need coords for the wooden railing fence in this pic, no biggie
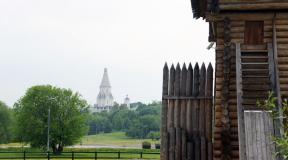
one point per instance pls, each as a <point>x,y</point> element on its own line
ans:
<point>25,155</point>
<point>186,131</point>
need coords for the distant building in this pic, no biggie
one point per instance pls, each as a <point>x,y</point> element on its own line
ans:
<point>104,99</point>
<point>127,102</point>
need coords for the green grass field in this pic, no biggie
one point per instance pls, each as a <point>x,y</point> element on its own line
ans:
<point>114,139</point>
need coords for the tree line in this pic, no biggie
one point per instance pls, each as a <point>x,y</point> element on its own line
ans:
<point>64,116</point>
<point>142,121</point>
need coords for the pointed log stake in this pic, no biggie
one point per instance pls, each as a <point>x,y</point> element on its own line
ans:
<point>177,93</point>
<point>189,136</point>
<point>195,107</point>
<point>195,113</point>
<point>208,110</point>
<point>170,118</point>
<point>189,87</point>
<point>183,93</point>
<point>196,80</point>
<point>202,112</point>
<point>202,101</point>
<point>164,133</point>
<point>171,102</point>
<point>177,112</point>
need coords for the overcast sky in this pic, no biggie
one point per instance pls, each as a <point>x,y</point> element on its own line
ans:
<point>68,43</point>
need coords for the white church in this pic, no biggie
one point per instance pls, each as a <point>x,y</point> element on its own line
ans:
<point>105,100</point>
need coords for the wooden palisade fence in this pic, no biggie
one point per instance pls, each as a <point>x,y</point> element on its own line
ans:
<point>186,131</point>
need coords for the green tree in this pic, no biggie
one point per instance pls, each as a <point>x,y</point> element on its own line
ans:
<point>270,105</point>
<point>5,123</point>
<point>141,127</point>
<point>67,122</point>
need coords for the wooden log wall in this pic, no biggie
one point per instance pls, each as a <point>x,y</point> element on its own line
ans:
<point>236,31</point>
<point>186,130</point>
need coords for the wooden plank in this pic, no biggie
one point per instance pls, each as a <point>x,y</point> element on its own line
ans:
<point>189,88</point>
<point>208,110</point>
<point>197,147</point>
<point>170,117</point>
<point>258,135</point>
<point>172,143</point>
<point>177,110</point>
<point>178,145</point>
<point>279,122</point>
<point>202,102</point>
<point>254,6</point>
<point>184,144</point>
<point>248,139</point>
<point>262,136</point>
<point>177,104</point>
<point>190,150</point>
<point>183,102</point>
<point>241,129</point>
<point>203,148</point>
<point>164,114</point>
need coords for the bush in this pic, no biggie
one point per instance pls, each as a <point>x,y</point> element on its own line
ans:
<point>157,146</point>
<point>146,145</point>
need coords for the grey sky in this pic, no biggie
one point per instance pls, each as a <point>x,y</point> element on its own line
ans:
<point>68,43</point>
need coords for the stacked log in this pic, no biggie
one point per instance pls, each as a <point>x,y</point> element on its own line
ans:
<point>187,113</point>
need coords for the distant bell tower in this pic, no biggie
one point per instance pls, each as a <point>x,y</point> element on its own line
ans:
<point>127,101</point>
<point>104,98</point>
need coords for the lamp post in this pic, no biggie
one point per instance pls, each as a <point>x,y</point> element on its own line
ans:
<point>48,127</point>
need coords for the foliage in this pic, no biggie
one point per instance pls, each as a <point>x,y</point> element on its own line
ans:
<point>270,105</point>
<point>6,122</point>
<point>136,123</point>
<point>154,135</point>
<point>146,145</point>
<point>67,122</point>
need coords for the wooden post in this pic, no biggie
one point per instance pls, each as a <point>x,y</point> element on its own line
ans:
<point>164,133</point>
<point>189,135</point>
<point>240,109</point>
<point>171,135</point>
<point>202,101</point>
<point>184,144</point>
<point>177,94</point>
<point>172,139</point>
<point>177,112</point>
<point>203,148</point>
<point>202,114</point>
<point>178,149</point>
<point>190,150</point>
<point>170,117</point>
<point>279,123</point>
<point>208,110</point>
<point>197,147</point>
<point>183,111</point>
<point>195,108</point>
<point>183,93</point>
<point>195,113</point>
<point>189,89</point>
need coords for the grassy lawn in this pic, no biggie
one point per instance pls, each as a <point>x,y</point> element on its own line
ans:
<point>114,139</point>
